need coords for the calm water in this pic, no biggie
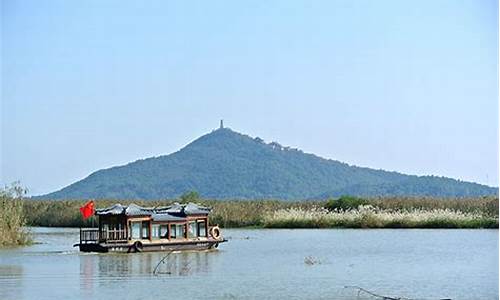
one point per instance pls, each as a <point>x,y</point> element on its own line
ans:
<point>264,264</point>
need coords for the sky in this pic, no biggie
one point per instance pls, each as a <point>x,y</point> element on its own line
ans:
<point>408,86</point>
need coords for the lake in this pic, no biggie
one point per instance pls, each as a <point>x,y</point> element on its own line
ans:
<point>264,264</point>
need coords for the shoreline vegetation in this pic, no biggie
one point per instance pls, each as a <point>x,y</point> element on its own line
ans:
<point>16,213</point>
<point>344,212</point>
<point>12,218</point>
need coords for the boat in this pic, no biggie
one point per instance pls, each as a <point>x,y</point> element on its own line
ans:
<point>134,228</point>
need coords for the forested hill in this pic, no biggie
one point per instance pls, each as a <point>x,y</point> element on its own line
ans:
<point>225,164</point>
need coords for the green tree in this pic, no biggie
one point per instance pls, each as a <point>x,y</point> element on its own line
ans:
<point>191,196</point>
<point>345,203</point>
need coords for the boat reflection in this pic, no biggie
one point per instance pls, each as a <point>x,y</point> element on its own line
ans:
<point>143,264</point>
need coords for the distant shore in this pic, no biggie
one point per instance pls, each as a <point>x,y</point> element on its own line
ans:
<point>393,212</point>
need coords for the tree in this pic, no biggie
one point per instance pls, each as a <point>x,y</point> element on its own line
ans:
<point>345,202</point>
<point>191,196</point>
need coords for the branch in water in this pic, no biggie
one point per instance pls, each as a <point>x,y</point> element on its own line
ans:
<point>360,290</point>
<point>162,260</point>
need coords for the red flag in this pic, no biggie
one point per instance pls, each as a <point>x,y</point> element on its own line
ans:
<point>87,210</point>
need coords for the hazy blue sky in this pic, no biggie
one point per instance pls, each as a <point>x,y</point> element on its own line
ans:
<point>409,86</point>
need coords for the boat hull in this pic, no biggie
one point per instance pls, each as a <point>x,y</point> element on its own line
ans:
<point>149,247</point>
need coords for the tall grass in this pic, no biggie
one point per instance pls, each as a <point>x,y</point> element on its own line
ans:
<point>379,212</point>
<point>487,206</point>
<point>372,217</point>
<point>12,220</point>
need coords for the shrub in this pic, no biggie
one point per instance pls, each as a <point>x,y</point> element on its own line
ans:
<point>191,196</point>
<point>12,221</point>
<point>345,203</point>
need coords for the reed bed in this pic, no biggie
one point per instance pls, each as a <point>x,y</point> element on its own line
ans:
<point>380,212</point>
<point>374,217</point>
<point>487,206</point>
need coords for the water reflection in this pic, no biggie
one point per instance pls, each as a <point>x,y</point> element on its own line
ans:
<point>10,276</point>
<point>139,265</point>
<point>87,273</point>
<point>7,271</point>
<point>183,264</point>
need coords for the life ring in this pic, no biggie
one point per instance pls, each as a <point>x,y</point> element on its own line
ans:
<point>138,246</point>
<point>215,232</point>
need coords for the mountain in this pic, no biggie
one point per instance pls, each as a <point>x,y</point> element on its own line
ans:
<point>225,164</point>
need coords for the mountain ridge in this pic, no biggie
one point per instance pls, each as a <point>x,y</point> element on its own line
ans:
<point>225,164</point>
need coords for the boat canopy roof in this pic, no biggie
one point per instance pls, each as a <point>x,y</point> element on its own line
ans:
<point>172,212</point>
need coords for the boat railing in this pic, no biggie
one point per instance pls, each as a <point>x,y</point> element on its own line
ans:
<point>89,235</point>
<point>113,235</point>
<point>94,235</point>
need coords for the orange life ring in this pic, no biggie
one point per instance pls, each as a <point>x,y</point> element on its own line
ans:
<point>215,232</point>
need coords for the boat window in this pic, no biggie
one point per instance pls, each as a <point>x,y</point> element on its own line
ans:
<point>172,234</point>
<point>177,231</point>
<point>156,231</point>
<point>145,230</point>
<point>136,230</point>
<point>192,229</point>
<point>202,229</point>
<point>164,231</point>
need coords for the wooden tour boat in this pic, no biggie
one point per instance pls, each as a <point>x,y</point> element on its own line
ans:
<point>135,229</point>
